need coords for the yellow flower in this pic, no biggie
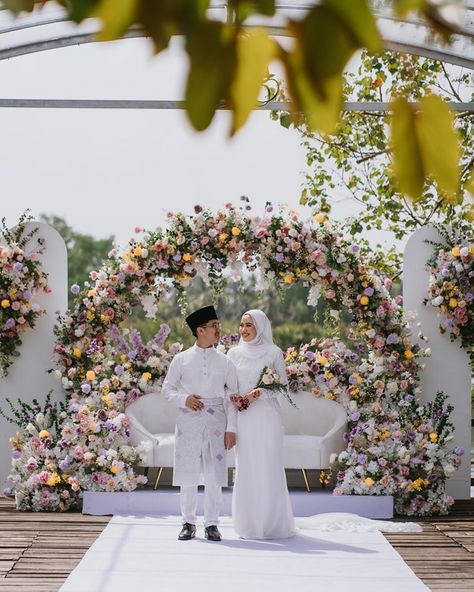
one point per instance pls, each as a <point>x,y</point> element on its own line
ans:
<point>408,354</point>
<point>91,427</point>
<point>369,481</point>
<point>434,437</point>
<point>114,469</point>
<point>223,236</point>
<point>319,217</point>
<point>137,251</point>
<point>236,231</point>
<point>90,375</point>
<point>322,360</point>
<point>187,257</point>
<point>53,479</point>
<point>77,352</point>
<point>456,251</point>
<point>453,302</point>
<point>92,292</point>
<point>5,303</point>
<point>288,279</point>
<point>364,300</point>
<point>107,399</point>
<point>43,434</point>
<point>90,314</point>
<point>331,396</point>
<point>146,376</point>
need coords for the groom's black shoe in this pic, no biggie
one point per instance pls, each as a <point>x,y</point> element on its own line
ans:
<point>212,534</point>
<point>187,532</point>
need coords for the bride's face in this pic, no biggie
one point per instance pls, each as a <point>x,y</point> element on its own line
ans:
<point>247,328</point>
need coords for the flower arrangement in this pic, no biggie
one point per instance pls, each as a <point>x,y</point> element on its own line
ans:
<point>451,288</point>
<point>379,390</point>
<point>21,279</point>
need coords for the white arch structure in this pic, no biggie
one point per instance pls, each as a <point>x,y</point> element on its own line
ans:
<point>48,28</point>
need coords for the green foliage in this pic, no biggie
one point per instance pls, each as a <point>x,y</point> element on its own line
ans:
<point>356,161</point>
<point>85,253</point>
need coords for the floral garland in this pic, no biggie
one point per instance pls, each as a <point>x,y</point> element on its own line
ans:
<point>394,444</point>
<point>381,391</point>
<point>21,278</point>
<point>451,288</point>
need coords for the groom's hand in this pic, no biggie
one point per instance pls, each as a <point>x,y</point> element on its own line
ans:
<point>194,402</point>
<point>229,440</point>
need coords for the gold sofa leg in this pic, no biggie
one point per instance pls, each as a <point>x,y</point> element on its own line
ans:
<point>306,480</point>
<point>157,480</point>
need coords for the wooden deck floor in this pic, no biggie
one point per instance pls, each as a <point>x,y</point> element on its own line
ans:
<point>38,551</point>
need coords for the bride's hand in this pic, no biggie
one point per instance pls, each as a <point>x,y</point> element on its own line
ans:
<point>236,401</point>
<point>253,395</point>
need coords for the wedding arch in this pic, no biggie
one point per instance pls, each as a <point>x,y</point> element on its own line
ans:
<point>395,445</point>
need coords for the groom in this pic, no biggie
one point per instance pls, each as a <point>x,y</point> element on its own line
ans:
<point>198,380</point>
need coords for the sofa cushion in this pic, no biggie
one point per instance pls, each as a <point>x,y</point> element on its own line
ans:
<point>302,452</point>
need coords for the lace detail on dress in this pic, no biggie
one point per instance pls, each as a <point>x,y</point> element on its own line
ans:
<point>335,521</point>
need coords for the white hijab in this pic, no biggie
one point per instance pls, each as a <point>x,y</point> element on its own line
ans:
<point>262,343</point>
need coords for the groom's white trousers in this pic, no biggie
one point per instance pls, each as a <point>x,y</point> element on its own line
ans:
<point>212,494</point>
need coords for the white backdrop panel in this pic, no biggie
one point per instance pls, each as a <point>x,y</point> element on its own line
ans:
<point>28,377</point>
<point>447,369</point>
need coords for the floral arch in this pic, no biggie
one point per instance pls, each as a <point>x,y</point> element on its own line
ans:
<point>395,445</point>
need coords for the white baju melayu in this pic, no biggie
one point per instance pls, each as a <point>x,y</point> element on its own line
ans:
<point>261,506</point>
<point>200,455</point>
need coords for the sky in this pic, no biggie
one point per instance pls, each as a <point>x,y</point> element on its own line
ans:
<point>107,171</point>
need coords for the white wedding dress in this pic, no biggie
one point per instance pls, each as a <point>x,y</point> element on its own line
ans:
<point>261,507</point>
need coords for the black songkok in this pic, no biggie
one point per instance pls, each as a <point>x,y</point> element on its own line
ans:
<point>201,317</point>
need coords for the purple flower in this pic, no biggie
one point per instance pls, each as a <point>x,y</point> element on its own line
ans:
<point>17,267</point>
<point>392,338</point>
<point>16,454</point>
<point>197,209</point>
<point>119,370</point>
<point>75,289</point>
<point>354,248</point>
<point>132,354</point>
<point>279,257</point>
<point>355,416</point>
<point>86,388</point>
<point>293,386</point>
<point>362,459</point>
<point>468,297</point>
<point>369,291</point>
<point>10,323</point>
<point>408,398</point>
<point>459,450</point>
<point>27,294</point>
<point>310,355</point>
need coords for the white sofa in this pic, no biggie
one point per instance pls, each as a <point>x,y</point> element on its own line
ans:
<point>313,431</point>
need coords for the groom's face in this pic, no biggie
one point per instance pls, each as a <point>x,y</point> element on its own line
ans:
<point>211,332</point>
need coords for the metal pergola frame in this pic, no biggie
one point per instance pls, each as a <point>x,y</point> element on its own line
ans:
<point>397,36</point>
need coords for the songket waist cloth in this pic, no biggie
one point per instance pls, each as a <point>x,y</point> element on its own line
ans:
<point>199,445</point>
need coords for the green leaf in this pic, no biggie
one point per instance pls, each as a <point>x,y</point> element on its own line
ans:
<point>360,22</point>
<point>403,7</point>
<point>254,53</point>
<point>17,6</point>
<point>407,157</point>
<point>116,16</point>
<point>211,50</point>
<point>161,19</point>
<point>78,10</point>
<point>439,144</point>
<point>322,113</point>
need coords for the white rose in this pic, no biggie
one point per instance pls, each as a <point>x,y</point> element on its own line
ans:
<point>449,470</point>
<point>437,301</point>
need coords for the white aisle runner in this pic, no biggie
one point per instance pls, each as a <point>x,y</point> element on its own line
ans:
<point>143,554</point>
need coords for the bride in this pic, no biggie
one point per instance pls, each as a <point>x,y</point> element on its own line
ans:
<point>261,507</point>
